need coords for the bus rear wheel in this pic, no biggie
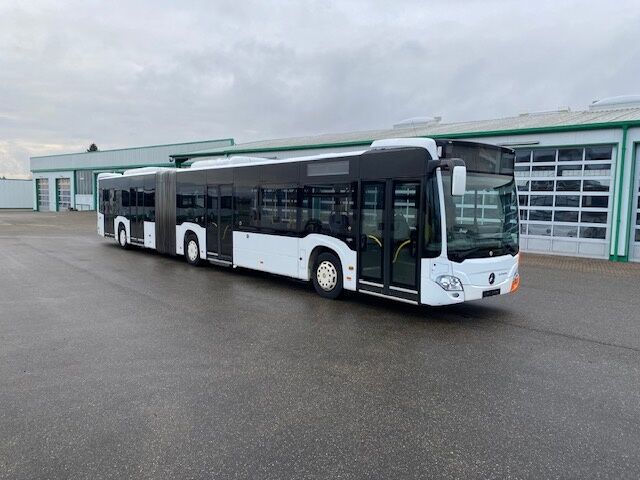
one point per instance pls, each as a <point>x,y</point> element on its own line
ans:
<point>122,237</point>
<point>192,249</point>
<point>327,276</point>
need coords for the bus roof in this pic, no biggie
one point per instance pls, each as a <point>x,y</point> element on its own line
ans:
<point>238,161</point>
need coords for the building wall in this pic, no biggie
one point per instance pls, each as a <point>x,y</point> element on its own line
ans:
<point>83,202</point>
<point>16,193</point>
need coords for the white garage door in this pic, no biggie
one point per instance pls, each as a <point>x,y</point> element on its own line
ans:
<point>63,194</point>
<point>565,199</point>
<point>42,189</point>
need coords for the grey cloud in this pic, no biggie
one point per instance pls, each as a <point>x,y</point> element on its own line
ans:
<point>153,72</point>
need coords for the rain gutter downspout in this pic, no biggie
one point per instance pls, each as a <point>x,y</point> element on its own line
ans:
<point>616,237</point>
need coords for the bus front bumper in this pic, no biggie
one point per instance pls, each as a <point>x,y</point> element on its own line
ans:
<point>473,279</point>
<point>436,295</point>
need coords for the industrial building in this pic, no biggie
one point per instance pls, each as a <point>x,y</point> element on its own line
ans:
<point>65,181</point>
<point>577,174</point>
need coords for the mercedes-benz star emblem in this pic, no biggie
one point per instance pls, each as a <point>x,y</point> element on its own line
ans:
<point>492,278</point>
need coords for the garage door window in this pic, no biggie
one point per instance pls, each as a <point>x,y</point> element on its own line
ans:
<point>42,187</point>
<point>63,193</point>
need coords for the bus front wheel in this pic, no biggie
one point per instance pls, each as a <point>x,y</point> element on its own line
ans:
<point>192,249</point>
<point>327,276</point>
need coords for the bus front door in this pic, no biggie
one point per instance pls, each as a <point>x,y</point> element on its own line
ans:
<point>220,222</point>
<point>389,252</point>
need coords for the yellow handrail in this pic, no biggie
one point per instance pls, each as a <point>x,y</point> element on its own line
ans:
<point>400,247</point>
<point>375,239</point>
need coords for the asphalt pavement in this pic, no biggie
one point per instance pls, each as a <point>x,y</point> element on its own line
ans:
<point>128,364</point>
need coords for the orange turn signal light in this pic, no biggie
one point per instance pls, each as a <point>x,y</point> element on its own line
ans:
<point>515,284</point>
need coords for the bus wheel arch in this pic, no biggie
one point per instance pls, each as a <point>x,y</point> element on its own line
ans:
<point>191,248</point>
<point>326,272</point>
<point>314,256</point>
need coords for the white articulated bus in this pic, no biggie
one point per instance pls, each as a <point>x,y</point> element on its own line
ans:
<point>412,219</point>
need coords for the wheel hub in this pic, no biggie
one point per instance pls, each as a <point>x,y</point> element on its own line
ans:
<point>327,276</point>
<point>192,250</point>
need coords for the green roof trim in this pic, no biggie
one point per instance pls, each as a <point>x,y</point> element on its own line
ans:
<point>100,167</point>
<point>550,129</point>
<point>486,133</point>
<point>231,140</point>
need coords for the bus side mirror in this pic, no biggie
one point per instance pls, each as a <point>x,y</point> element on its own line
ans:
<point>458,180</point>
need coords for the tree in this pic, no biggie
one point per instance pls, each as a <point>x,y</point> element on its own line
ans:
<point>92,148</point>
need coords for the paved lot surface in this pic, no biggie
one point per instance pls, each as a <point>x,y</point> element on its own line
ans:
<point>126,364</point>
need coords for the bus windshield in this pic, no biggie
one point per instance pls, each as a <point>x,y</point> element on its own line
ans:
<point>484,221</point>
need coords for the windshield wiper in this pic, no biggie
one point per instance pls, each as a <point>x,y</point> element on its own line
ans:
<point>510,248</point>
<point>462,256</point>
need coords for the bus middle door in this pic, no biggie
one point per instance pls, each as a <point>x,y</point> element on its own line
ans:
<point>220,222</point>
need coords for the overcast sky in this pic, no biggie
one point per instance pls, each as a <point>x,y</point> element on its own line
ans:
<point>147,72</point>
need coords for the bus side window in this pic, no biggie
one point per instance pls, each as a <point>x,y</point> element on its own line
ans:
<point>190,204</point>
<point>279,208</point>
<point>150,203</point>
<point>328,209</point>
<point>246,207</point>
<point>142,211</point>
<point>117,202</point>
<point>132,199</point>
<point>288,208</point>
<point>125,202</point>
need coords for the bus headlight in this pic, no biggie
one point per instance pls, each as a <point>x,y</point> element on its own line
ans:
<point>449,283</point>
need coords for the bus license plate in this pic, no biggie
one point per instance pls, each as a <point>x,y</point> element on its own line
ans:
<point>491,293</point>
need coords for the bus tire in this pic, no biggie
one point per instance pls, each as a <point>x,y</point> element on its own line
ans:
<point>327,276</point>
<point>122,237</point>
<point>192,249</point>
